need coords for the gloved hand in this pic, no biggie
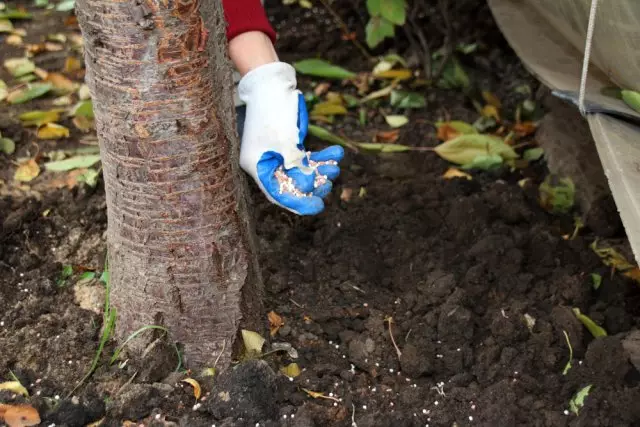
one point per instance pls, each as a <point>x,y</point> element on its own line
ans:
<point>272,149</point>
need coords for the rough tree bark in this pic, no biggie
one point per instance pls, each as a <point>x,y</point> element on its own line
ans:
<point>179,239</point>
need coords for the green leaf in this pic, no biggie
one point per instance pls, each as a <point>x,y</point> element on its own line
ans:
<point>377,29</point>
<point>14,387</point>
<point>325,135</point>
<point>557,195</point>
<point>73,163</point>
<point>459,126</point>
<point>86,277</point>
<point>596,331</point>
<point>15,14</point>
<point>396,121</point>
<point>90,177</point>
<point>596,280</point>
<point>32,91</point>
<point>38,118</point>
<point>394,11</point>
<point>66,5</point>
<point>577,401</point>
<point>482,124</point>
<point>485,162</point>
<point>3,90</point>
<point>26,78</point>
<point>533,154</point>
<point>292,370</point>
<point>6,26</point>
<point>321,68</point>
<point>253,342</point>
<point>83,108</point>
<point>632,99</point>
<point>374,7</point>
<point>7,146</point>
<point>464,149</point>
<point>19,66</point>
<point>403,99</point>
<point>454,76</point>
<point>384,148</point>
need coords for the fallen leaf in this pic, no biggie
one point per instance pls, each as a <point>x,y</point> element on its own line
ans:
<point>275,322</point>
<point>13,13</point>
<point>27,171</point>
<point>62,101</point>
<point>71,163</point>
<point>381,93</point>
<point>89,177</point>
<point>5,26</point>
<point>292,370</point>
<point>321,68</point>
<point>61,84</point>
<point>31,91</point>
<point>197,390</point>
<point>314,394</point>
<point>14,387</point>
<point>485,162</point>
<point>38,118</point>
<point>83,124</point>
<point>19,415</point>
<point>452,129</point>
<point>345,194</point>
<point>71,64</point>
<point>452,173</point>
<point>389,136</point>
<point>533,154</point>
<point>525,128</point>
<point>592,326</point>
<point>66,5</point>
<point>14,40</point>
<point>612,258</point>
<point>384,148</point>
<point>7,145</point>
<point>596,281</point>
<point>633,274</point>
<point>577,401</point>
<point>465,148</point>
<point>96,423</point>
<point>321,88</point>
<point>454,76</point>
<point>26,79</point>
<point>557,195</point>
<point>491,99</point>
<point>52,131</point>
<point>83,108</point>
<point>632,99</point>
<point>328,109</point>
<point>84,93</point>
<point>19,66</point>
<point>403,99</point>
<point>490,111</point>
<point>401,74</point>
<point>253,342</point>
<point>3,90</point>
<point>396,121</point>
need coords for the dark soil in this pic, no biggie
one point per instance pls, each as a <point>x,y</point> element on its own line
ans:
<point>456,265</point>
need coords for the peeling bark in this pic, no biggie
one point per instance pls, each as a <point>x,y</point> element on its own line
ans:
<point>180,242</point>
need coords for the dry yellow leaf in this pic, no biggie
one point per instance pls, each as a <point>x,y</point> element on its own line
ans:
<point>14,387</point>
<point>83,124</point>
<point>62,84</point>
<point>314,394</point>
<point>96,423</point>
<point>452,173</point>
<point>197,390</point>
<point>402,74</point>
<point>275,322</point>
<point>633,274</point>
<point>292,370</point>
<point>491,99</point>
<point>19,415</point>
<point>72,64</point>
<point>27,171</point>
<point>490,111</point>
<point>52,131</point>
<point>14,40</point>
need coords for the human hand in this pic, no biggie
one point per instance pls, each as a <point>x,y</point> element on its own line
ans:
<point>272,149</point>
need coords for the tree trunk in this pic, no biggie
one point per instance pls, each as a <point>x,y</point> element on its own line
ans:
<point>180,244</point>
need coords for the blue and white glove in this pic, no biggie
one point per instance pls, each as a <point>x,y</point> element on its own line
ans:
<point>272,149</point>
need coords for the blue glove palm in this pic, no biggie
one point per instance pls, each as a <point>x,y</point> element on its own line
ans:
<point>273,151</point>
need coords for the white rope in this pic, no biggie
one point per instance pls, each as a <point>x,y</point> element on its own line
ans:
<point>587,56</point>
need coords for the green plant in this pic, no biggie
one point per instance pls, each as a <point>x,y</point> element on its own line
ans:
<point>385,16</point>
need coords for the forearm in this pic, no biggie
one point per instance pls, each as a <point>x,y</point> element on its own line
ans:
<point>250,50</point>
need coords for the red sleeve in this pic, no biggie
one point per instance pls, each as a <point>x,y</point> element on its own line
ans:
<point>246,15</point>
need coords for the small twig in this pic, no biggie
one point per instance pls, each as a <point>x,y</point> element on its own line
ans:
<point>448,39</point>
<point>224,345</point>
<point>129,381</point>
<point>346,31</point>
<point>389,320</point>
<point>295,303</point>
<point>353,416</point>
